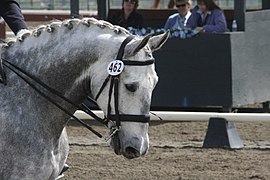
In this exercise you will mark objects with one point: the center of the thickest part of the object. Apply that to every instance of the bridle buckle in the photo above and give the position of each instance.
(114, 130)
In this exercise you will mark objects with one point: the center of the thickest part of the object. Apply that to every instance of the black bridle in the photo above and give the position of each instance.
(114, 86)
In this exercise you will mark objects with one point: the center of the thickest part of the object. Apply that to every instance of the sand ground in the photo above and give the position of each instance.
(175, 153)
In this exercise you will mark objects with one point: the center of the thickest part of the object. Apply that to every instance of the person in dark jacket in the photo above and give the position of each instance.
(128, 17)
(11, 13)
(208, 17)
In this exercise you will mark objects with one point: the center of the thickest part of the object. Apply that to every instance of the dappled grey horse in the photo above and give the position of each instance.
(72, 57)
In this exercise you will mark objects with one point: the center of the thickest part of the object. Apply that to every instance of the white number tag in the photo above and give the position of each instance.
(115, 67)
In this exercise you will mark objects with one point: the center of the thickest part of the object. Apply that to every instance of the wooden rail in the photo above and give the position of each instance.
(2, 31)
(39, 16)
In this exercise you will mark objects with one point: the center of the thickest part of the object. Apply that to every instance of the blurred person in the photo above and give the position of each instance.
(207, 16)
(128, 16)
(179, 20)
(157, 4)
(11, 13)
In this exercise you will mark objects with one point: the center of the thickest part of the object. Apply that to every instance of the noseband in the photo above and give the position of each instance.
(114, 86)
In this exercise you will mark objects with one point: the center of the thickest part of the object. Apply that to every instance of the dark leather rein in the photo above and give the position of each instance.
(114, 86)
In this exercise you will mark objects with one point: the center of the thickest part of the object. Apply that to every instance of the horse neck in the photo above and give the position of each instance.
(61, 59)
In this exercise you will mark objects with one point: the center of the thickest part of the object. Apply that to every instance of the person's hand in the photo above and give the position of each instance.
(186, 28)
(199, 29)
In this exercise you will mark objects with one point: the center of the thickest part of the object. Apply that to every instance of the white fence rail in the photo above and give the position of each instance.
(195, 116)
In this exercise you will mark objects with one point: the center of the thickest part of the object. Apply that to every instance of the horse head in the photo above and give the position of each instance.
(136, 83)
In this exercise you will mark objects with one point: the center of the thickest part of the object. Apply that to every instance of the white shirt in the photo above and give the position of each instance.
(175, 21)
(183, 21)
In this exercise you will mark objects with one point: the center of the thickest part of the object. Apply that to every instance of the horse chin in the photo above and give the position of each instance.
(115, 144)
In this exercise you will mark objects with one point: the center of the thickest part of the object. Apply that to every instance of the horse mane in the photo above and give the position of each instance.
(69, 24)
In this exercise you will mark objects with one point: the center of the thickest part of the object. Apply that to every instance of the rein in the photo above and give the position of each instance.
(114, 86)
(84, 108)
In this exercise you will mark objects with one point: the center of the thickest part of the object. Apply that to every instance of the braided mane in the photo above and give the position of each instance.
(69, 24)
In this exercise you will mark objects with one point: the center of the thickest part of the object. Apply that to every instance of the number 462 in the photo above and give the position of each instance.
(115, 67)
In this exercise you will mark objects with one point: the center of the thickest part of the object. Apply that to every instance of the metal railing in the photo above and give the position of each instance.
(92, 4)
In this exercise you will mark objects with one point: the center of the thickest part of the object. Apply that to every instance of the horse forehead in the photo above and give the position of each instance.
(139, 74)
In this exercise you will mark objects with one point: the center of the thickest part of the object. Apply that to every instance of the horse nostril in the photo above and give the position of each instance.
(131, 152)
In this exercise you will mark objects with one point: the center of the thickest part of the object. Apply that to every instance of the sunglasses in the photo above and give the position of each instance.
(132, 1)
(180, 5)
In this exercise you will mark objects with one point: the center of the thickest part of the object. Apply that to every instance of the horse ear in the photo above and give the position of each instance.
(135, 46)
(157, 42)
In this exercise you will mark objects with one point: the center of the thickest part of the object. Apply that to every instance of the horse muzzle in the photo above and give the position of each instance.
(129, 148)
(134, 148)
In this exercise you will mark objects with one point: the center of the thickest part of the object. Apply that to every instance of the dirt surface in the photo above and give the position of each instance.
(175, 153)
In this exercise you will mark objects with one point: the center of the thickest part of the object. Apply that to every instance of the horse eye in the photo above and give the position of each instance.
(132, 87)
